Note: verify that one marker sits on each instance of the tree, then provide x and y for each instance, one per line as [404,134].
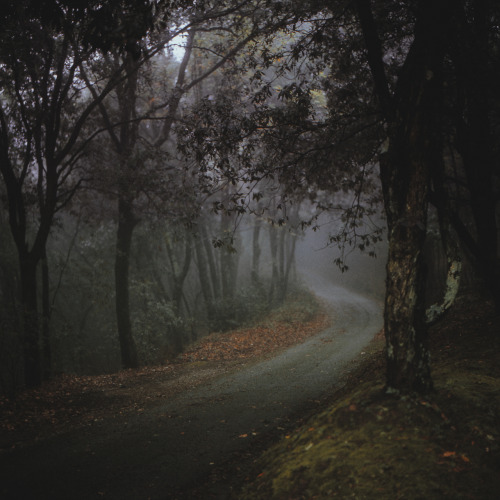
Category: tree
[404,123]
[412,114]
[42,123]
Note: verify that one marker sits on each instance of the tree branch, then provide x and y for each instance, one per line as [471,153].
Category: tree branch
[375,56]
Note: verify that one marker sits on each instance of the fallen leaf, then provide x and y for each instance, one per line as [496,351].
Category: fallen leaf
[449,454]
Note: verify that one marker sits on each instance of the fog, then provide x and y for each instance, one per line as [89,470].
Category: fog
[223,288]
[316,260]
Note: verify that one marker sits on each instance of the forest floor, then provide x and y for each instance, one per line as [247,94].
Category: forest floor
[69,402]
[368,445]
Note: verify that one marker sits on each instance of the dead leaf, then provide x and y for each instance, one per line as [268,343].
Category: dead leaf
[447,454]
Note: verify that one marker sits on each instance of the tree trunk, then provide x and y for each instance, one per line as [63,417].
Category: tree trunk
[229,256]
[126,224]
[211,261]
[203,274]
[46,313]
[408,368]
[256,252]
[450,245]
[290,261]
[273,245]
[281,264]
[31,332]
[413,119]
[225,257]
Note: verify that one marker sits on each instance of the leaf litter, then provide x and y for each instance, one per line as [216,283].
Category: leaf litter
[72,401]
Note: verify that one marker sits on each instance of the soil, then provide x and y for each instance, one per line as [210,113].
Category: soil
[191,428]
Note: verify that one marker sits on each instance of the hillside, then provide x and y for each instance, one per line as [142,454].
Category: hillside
[368,445]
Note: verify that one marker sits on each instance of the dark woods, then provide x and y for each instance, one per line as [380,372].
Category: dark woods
[161,160]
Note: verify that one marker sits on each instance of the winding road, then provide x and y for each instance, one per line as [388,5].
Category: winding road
[165,450]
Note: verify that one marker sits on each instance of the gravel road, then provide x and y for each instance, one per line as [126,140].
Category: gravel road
[161,452]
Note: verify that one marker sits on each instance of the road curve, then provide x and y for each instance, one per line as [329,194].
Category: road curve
[165,450]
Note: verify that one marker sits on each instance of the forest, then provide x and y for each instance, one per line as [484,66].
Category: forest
[249,249]
[160,160]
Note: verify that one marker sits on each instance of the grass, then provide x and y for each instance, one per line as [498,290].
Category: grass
[370,445]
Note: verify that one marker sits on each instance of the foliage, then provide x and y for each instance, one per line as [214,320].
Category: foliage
[271,104]
[156,323]
[82,326]
[227,313]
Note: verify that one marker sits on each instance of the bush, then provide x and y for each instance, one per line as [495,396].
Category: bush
[241,309]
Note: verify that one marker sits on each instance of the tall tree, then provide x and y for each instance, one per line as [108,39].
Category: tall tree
[43,115]
[341,51]
[412,112]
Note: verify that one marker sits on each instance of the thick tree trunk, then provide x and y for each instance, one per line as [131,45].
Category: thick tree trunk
[31,331]
[408,368]
[281,264]
[181,274]
[228,258]
[290,262]
[405,180]
[413,122]
[450,245]
[225,256]
[126,225]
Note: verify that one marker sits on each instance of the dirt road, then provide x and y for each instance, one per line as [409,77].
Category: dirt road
[162,452]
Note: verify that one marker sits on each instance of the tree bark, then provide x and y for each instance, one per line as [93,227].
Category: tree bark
[273,246]
[126,224]
[450,244]
[203,273]
[256,252]
[290,261]
[408,368]
[412,115]
[211,261]
[31,332]
[229,257]
[46,313]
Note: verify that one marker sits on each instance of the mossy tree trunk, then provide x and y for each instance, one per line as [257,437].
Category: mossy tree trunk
[412,112]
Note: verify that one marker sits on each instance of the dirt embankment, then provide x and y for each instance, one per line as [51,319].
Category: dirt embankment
[368,445]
